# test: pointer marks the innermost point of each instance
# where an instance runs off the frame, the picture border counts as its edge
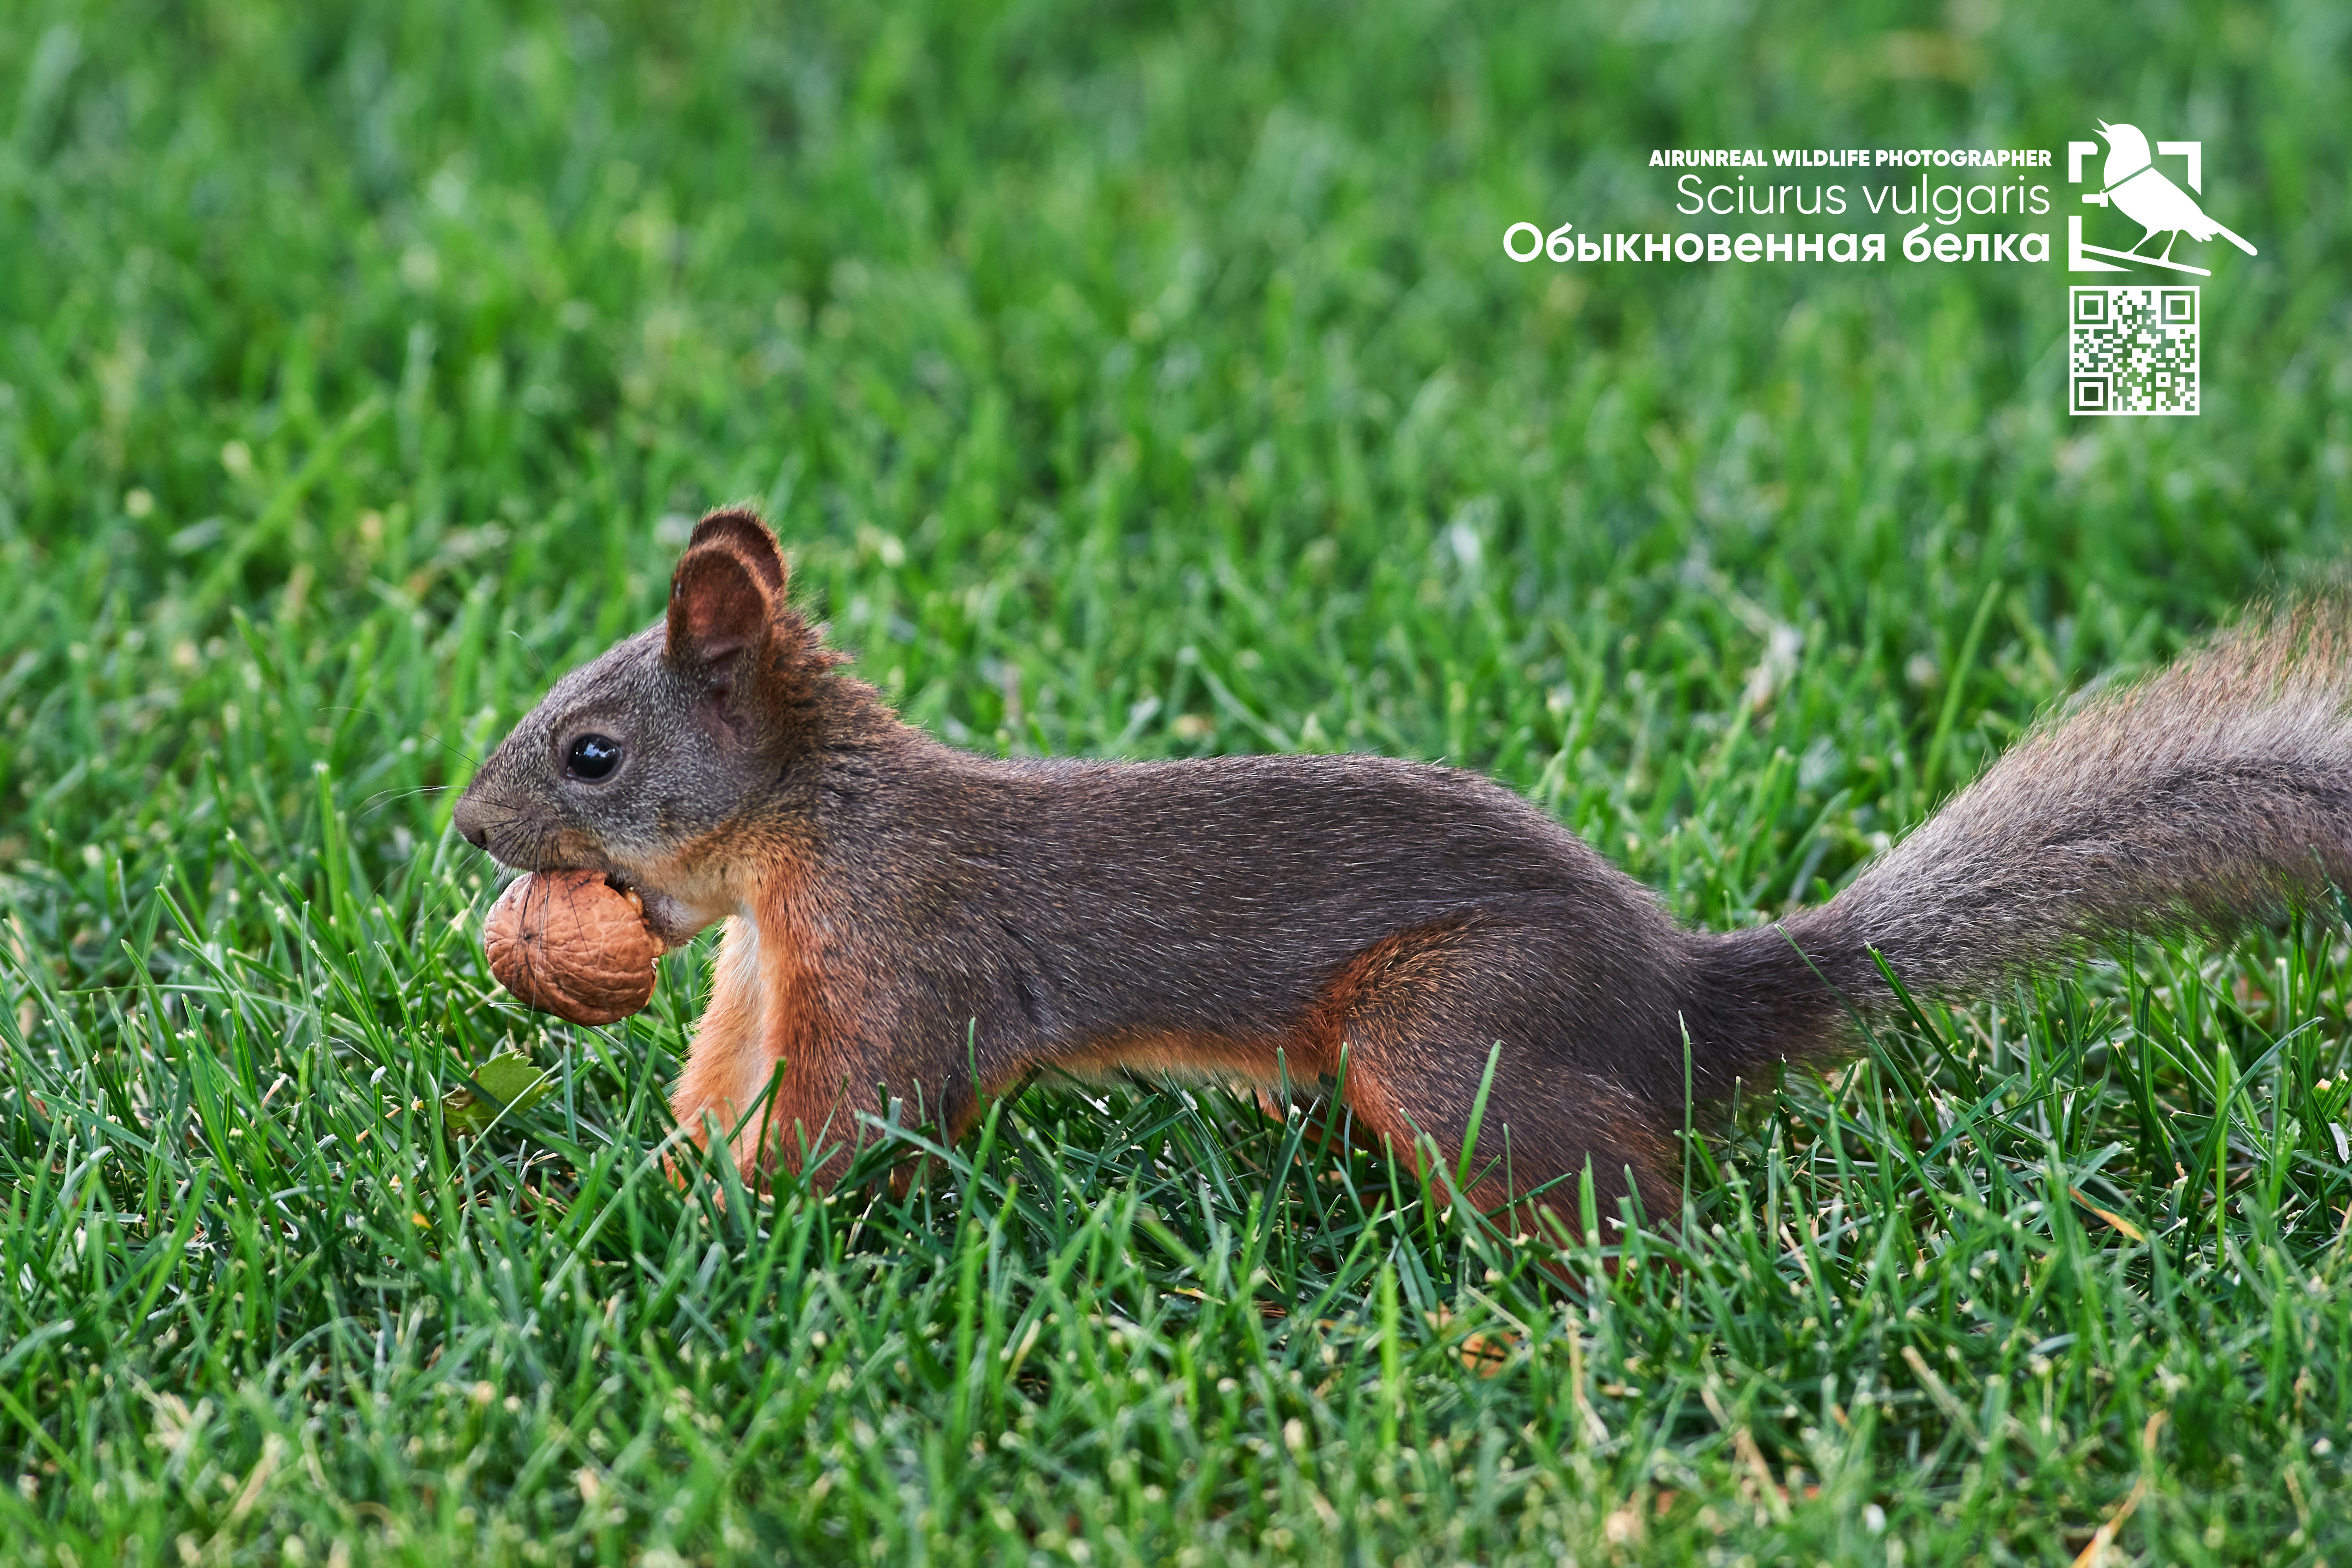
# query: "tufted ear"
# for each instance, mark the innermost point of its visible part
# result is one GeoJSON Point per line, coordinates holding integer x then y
{"type": "Point", "coordinates": [720, 607]}
{"type": "Point", "coordinates": [741, 528]}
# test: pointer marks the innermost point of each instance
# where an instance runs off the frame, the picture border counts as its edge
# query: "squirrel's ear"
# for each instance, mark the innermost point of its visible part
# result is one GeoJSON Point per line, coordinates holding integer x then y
{"type": "Point", "coordinates": [721, 603]}
{"type": "Point", "coordinates": [741, 528]}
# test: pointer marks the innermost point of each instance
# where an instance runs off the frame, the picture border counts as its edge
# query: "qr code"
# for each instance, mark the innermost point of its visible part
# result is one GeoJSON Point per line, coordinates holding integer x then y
{"type": "Point", "coordinates": [2132, 350]}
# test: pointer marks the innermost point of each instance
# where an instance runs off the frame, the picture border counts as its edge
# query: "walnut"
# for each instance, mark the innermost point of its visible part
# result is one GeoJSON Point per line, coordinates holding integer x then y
{"type": "Point", "coordinates": [570, 943]}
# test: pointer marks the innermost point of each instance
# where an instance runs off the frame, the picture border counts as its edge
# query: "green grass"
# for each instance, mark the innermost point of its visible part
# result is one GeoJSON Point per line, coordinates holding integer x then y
{"type": "Point", "coordinates": [1140, 384]}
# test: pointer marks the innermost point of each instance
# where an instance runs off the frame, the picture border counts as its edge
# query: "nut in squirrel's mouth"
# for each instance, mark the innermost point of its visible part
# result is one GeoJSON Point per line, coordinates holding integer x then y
{"type": "Point", "coordinates": [669, 920]}
{"type": "Point", "coordinates": [666, 917]}
{"type": "Point", "coordinates": [673, 917]}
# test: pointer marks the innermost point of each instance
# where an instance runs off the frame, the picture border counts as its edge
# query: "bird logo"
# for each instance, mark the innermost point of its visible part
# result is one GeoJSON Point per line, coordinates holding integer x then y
{"type": "Point", "coordinates": [2136, 187]}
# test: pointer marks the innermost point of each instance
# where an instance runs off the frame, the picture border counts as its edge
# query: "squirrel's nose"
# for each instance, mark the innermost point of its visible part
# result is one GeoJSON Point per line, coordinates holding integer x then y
{"type": "Point", "coordinates": [469, 824]}
{"type": "Point", "coordinates": [479, 838]}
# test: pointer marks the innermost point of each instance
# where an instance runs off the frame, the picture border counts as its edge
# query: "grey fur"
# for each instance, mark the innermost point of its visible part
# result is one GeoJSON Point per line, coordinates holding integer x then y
{"type": "Point", "coordinates": [2203, 798]}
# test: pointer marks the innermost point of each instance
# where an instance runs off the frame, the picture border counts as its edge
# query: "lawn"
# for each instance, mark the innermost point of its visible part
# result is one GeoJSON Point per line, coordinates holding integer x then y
{"type": "Point", "coordinates": [1131, 382]}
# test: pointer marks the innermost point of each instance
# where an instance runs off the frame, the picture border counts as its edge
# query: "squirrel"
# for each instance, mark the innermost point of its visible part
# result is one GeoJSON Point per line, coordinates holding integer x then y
{"type": "Point", "coordinates": [908, 922]}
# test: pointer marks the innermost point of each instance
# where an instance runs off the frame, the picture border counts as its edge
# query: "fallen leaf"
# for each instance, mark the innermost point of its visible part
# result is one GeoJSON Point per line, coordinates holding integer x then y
{"type": "Point", "coordinates": [509, 1081]}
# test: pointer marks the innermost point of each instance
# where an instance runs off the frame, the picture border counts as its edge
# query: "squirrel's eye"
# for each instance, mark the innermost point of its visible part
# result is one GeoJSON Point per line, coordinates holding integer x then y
{"type": "Point", "coordinates": [593, 757]}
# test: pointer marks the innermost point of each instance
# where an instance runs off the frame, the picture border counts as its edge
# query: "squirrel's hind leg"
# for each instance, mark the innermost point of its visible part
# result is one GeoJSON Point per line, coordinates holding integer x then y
{"type": "Point", "coordinates": [1413, 1021]}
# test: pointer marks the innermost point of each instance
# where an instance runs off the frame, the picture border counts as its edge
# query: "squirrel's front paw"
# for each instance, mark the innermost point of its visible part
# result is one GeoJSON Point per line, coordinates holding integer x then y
{"type": "Point", "coordinates": [569, 943]}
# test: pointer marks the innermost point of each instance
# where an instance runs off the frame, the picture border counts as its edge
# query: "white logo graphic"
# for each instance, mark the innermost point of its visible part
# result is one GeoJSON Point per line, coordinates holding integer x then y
{"type": "Point", "coordinates": [2134, 349]}
{"type": "Point", "coordinates": [2132, 184]}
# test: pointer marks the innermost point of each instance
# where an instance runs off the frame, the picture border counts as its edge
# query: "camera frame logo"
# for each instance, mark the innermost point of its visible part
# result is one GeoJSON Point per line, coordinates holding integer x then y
{"type": "Point", "coordinates": [2133, 349]}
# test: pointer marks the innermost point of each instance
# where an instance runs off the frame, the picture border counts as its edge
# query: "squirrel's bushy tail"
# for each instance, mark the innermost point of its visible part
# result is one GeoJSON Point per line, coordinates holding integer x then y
{"type": "Point", "coordinates": [2199, 799]}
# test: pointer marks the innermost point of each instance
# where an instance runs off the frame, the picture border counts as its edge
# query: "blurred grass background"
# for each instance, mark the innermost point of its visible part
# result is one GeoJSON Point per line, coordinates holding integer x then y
{"type": "Point", "coordinates": [1131, 381]}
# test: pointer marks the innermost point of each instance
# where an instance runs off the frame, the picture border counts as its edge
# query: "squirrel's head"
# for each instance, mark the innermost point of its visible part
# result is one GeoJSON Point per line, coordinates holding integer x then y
{"type": "Point", "coordinates": [640, 762]}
